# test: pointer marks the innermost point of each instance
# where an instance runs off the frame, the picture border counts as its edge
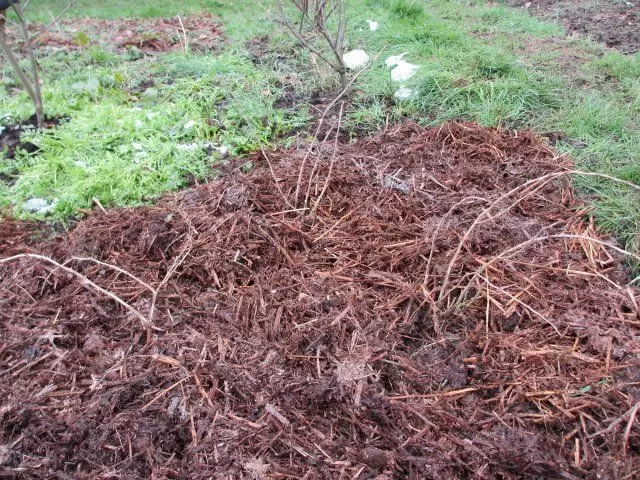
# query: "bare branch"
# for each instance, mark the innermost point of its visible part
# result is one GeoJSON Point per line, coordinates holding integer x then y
{"type": "Point", "coordinates": [55, 20]}
{"type": "Point", "coordinates": [320, 25]}
{"type": "Point", "coordinates": [13, 60]}
{"type": "Point", "coordinates": [37, 98]}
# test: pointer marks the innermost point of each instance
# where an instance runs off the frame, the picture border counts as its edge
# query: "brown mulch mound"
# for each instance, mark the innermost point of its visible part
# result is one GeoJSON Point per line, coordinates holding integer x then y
{"type": "Point", "coordinates": [364, 330]}
{"type": "Point", "coordinates": [155, 35]}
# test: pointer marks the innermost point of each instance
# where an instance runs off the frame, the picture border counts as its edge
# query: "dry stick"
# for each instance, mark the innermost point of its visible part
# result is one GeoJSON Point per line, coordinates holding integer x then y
{"type": "Point", "coordinates": [313, 169]}
{"type": "Point", "coordinates": [15, 64]}
{"type": "Point", "coordinates": [569, 271]}
{"type": "Point", "coordinates": [55, 20]}
{"type": "Point", "coordinates": [633, 410]}
{"type": "Point", "coordinates": [185, 45]}
{"type": "Point", "coordinates": [117, 269]}
{"type": "Point", "coordinates": [321, 121]}
{"type": "Point", "coordinates": [333, 159]}
{"type": "Point", "coordinates": [627, 431]}
{"type": "Point", "coordinates": [512, 250]}
{"type": "Point", "coordinates": [333, 227]}
{"type": "Point", "coordinates": [85, 282]}
{"type": "Point", "coordinates": [166, 390]}
{"type": "Point", "coordinates": [544, 179]}
{"type": "Point", "coordinates": [34, 66]}
{"type": "Point", "coordinates": [176, 263]}
{"type": "Point", "coordinates": [520, 302]}
{"type": "Point", "coordinates": [522, 245]}
{"type": "Point", "coordinates": [471, 276]}
{"type": "Point", "coordinates": [437, 230]}
{"type": "Point", "coordinates": [275, 179]}
{"type": "Point", "coordinates": [337, 44]}
{"type": "Point", "coordinates": [305, 43]}
{"type": "Point", "coordinates": [454, 259]}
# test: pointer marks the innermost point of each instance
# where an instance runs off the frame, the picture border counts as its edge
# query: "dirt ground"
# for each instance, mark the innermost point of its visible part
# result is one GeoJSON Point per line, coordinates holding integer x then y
{"type": "Point", "coordinates": [428, 303]}
{"type": "Point", "coordinates": [198, 33]}
{"type": "Point", "coordinates": [615, 23]}
{"type": "Point", "coordinates": [10, 140]}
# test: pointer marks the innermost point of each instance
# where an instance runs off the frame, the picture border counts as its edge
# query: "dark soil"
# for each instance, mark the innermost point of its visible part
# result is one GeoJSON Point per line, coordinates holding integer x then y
{"type": "Point", "coordinates": [359, 328]}
{"type": "Point", "coordinates": [10, 137]}
{"type": "Point", "coordinates": [615, 23]}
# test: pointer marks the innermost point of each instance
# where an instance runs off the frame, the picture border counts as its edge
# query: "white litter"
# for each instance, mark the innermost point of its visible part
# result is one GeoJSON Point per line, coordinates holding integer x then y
{"type": "Point", "coordinates": [189, 125]}
{"type": "Point", "coordinates": [393, 60]}
{"type": "Point", "coordinates": [223, 150]}
{"type": "Point", "coordinates": [403, 93]}
{"type": "Point", "coordinates": [403, 71]}
{"type": "Point", "coordinates": [355, 59]}
{"type": "Point", "coordinates": [38, 205]}
{"type": "Point", "coordinates": [187, 147]}
{"type": "Point", "coordinates": [373, 25]}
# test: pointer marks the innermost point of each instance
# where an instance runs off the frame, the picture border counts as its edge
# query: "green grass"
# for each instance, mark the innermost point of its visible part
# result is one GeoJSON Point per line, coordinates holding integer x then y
{"type": "Point", "coordinates": [124, 144]}
{"type": "Point", "coordinates": [479, 61]}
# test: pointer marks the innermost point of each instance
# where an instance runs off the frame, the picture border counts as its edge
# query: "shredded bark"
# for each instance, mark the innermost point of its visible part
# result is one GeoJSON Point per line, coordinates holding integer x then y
{"type": "Point", "coordinates": [404, 318]}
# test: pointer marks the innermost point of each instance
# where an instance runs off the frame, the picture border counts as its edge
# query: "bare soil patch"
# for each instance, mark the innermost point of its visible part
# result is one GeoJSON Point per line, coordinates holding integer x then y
{"type": "Point", "coordinates": [360, 328]}
{"type": "Point", "coordinates": [615, 23]}
{"type": "Point", "coordinates": [10, 135]}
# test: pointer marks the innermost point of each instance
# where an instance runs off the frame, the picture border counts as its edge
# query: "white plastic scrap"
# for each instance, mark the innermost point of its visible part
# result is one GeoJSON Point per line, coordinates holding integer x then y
{"type": "Point", "coordinates": [373, 25]}
{"type": "Point", "coordinates": [190, 124]}
{"type": "Point", "coordinates": [355, 59]}
{"type": "Point", "coordinates": [403, 71]}
{"type": "Point", "coordinates": [187, 147]}
{"type": "Point", "coordinates": [223, 150]}
{"type": "Point", "coordinates": [38, 205]}
{"type": "Point", "coordinates": [403, 93]}
{"type": "Point", "coordinates": [393, 60]}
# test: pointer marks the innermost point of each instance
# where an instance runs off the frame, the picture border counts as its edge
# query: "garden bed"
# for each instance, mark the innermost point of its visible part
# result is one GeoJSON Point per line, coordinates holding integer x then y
{"type": "Point", "coordinates": [429, 303]}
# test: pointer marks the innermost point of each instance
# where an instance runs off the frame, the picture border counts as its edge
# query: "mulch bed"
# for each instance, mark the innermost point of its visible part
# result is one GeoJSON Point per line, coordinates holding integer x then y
{"type": "Point", "coordinates": [155, 35]}
{"type": "Point", "coordinates": [400, 316]}
{"type": "Point", "coordinates": [616, 23]}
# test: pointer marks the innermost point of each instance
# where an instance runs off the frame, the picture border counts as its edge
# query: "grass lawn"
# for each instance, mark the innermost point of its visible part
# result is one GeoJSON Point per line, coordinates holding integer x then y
{"type": "Point", "coordinates": [478, 61]}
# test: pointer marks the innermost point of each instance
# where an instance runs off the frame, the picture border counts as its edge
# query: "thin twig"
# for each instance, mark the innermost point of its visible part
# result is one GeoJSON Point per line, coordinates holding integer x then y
{"type": "Point", "coordinates": [275, 179]}
{"type": "Point", "coordinates": [185, 45]}
{"type": "Point", "coordinates": [55, 20]}
{"type": "Point", "coordinates": [113, 267]}
{"type": "Point", "coordinates": [321, 121]}
{"type": "Point", "coordinates": [15, 64]}
{"type": "Point", "coordinates": [627, 431]}
{"type": "Point", "coordinates": [333, 159]}
{"type": "Point", "coordinates": [85, 282]}
{"type": "Point", "coordinates": [176, 263]}
{"type": "Point", "coordinates": [34, 66]}
{"type": "Point", "coordinates": [538, 183]}
{"type": "Point", "coordinates": [520, 302]}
